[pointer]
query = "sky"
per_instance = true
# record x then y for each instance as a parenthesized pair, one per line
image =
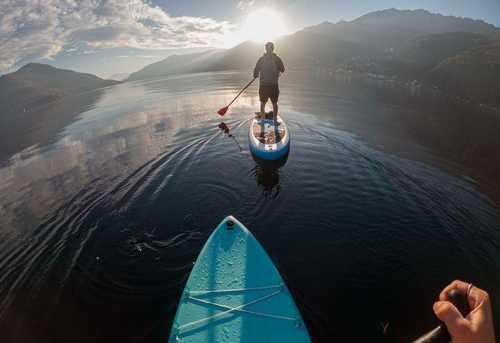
(106, 37)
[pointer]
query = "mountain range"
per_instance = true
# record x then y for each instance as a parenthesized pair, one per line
(459, 55)
(33, 106)
(38, 84)
(397, 44)
(407, 45)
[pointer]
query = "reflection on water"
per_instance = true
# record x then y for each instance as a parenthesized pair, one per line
(266, 172)
(225, 129)
(267, 175)
(99, 227)
(41, 126)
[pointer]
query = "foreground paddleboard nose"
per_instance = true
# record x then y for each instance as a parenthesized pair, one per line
(235, 294)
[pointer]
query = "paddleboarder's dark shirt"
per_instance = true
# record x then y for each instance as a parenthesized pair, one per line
(268, 69)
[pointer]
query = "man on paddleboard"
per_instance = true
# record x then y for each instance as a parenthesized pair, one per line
(268, 69)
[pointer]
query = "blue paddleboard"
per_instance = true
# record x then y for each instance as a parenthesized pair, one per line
(268, 141)
(235, 294)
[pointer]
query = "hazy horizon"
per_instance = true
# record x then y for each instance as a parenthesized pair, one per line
(116, 37)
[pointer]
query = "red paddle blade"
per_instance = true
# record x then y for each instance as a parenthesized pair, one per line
(222, 111)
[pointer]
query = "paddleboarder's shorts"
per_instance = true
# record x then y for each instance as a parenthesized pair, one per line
(269, 92)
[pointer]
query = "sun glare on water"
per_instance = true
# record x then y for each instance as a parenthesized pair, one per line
(261, 25)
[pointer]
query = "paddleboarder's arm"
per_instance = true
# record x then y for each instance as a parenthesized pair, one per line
(281, 66)
(477, 326)
(256, 70)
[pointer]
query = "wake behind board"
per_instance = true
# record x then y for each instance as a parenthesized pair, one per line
(268, 141)
(235, 294)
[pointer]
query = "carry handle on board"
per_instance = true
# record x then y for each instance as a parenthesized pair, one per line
(440, 334)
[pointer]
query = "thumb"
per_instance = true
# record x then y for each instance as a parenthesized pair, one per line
(450, 315)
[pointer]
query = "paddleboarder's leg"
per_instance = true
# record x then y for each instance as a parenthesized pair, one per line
(274, 99)
(275, 112)
(263, 96)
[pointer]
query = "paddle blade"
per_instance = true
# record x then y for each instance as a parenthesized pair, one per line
(222, 111)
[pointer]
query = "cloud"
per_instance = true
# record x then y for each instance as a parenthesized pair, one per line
(37, 29)
(245, 4)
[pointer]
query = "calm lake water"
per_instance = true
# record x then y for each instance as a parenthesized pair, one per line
(101, 221)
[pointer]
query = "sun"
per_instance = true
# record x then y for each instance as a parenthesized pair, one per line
(261, 25)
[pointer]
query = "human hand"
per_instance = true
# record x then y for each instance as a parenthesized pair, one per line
(477, 326)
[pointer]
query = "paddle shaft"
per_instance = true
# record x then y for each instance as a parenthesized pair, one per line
(440, 334)
(241, 91)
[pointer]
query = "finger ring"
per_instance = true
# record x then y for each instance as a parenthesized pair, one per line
(469, 289)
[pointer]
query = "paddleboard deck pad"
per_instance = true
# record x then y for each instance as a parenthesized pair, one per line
(235, 294)
(267, 140)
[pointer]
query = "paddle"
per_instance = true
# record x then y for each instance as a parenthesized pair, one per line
(440, 334)
(223, 110)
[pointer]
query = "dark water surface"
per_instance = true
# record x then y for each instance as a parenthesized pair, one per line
(99, 227)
